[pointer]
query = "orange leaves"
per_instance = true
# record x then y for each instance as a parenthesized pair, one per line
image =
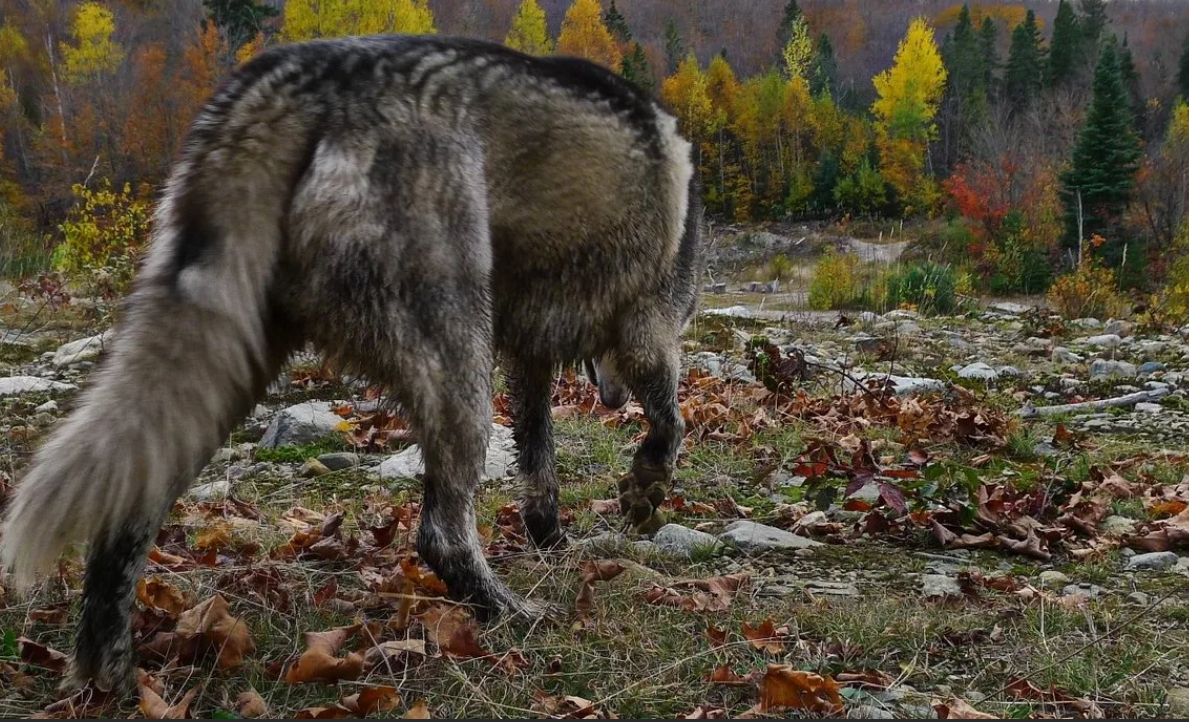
(207, 627)
(593, 572)
(957, 709)
(153, 705)
(765, 636)
(567, 707)
(713, 594)
(161, 596)
(319, 662)
(783, 687)
(41, 656)
(250, 704)
(369, 701)
(454, 630)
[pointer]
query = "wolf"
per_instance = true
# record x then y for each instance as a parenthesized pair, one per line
(418, 209)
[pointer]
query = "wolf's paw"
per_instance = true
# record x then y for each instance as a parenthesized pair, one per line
(642, 492)
(542, 526)
(115, 677)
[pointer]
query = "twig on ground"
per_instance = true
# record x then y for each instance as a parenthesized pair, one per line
(1029, 411)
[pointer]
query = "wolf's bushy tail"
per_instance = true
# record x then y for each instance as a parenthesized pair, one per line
(194, 350)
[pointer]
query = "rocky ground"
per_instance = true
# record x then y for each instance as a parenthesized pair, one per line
(893, 516)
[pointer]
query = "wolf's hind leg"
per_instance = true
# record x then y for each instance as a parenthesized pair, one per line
(653, 376)
(530, 384)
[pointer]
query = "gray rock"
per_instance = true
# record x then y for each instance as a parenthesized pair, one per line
(733, 312)
(603, 543)
(301, 424)
(223, 455)
(1152, 367)
(216, 490)
(1061, 355)
(902, 385)
(939, 586)
(313, 468)
(1008, 371)
(1138, 598)
(1119, 327)
(81, 350)
(13, 386)
(1148, 408)
(684, 541)
(901, 314)
(978, 370)
(339, 460)
(1087, 323)
(1084, 589)
(1009, 307)
(500, 459)
(832, 587)
(1117, 525)
(1109, 368)
(751, 536)
(907, 327)
(1053, 579)
(1106, 341)
(1153, 561)
(48, 408)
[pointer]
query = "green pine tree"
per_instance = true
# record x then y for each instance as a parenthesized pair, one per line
(1093, 21)
(791, 13)
(1181, 74)
(823, 67)
(1024, 69)
(1065, 45)
(635, 68)
(1107, 153)
(616, 24)
(674, 47)
(240, 20)
(1132, 82)
(988, 45)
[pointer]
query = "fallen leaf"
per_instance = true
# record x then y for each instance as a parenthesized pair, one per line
(418, 711)
(157, 594)
(706, 713)
(318, 661)
(593, 572)
(454, 630)
(395, 652)
(152, 705)
(214, 538)
(250, 704)
(718, 636)
(210, 622)
(957, 709)
(724, 675)
(605, 507)
(41, 656)
(372, 699)
(334, 712)
(566, 706)
(49, 616)
(784, 687)
(764, 636)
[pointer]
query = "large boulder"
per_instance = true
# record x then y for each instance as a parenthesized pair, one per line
(500, 459)
(81, 350)
(13, 386)
(302, 424)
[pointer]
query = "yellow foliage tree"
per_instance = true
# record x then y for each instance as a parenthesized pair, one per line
(528, 31)
(686, 93)
(909, 95)
(92, 52)
(585, 35)
(306, 19)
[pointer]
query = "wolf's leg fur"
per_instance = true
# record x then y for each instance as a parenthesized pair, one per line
(653, 376)
(530, 385)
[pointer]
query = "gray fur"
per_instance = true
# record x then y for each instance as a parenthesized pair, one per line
(416, 208)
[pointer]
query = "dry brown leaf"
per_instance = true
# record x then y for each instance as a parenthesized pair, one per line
(704, 712)
(718, 636)
(332, 712)
(157, 594)
(318, 661)
(48, 616)
(214, 538)
(724, 675)
(784, 687)
(418, 711)
(395, 652)
(593, 572)
(211, 622)
(372, 699)
(957, 709)
(765, 636)
(41, 656)
(152, 705)
(454, 630)
(250, 704)
(566, 706)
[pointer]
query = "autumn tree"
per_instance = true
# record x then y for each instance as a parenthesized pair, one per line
(240, 20)
(909, 95)
(674, 46)
(1065, 45)
(1106, 155)
(91, 51)
(823, 67)
(686, 93)
(584, 35)
(528, 31)
(798, 50)
(305, 19)
(1024, 69)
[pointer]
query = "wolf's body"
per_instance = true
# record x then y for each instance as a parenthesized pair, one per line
(413, 207)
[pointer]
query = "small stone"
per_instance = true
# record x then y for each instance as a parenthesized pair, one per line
(752, 536)
(81, 350)
(223, 455)
(313, 468)
(978, 370)
(336, 461)
(1152, 367)
(1087, 323)
(302, 424)
(1117, 525)
(939, 586)
(500, 458)
(1119, 327)
(683, 541)
(1008, 371)
(1148, 407)
(211, 491)
(1009, 307)
(1053, 579)
(1153, 561)
(603, 543)
(1138, 598)
(869, 492)
(13, 386)
(48, 408)
(1108, 368)
(1107, 341)
(1083, 589)
(1061, 355)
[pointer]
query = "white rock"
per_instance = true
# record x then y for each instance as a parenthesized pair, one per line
(1108, 368)
(1148, 407)
(12, 386)
(902, 385)
(500, 459)
(1153, 561)
(1107, 341)
(1087, 323)
(1061, 355)
(978, 370)
(211, 491)
(939, 586)
(48, 408)
(302, 424)
(752, 536)
(1009, 307)
(736, 312)
(683, 541)
(81, 350)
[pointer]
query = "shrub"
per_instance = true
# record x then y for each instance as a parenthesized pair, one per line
(1090, 290)
(863, 192)
(835, 283)
(929, 287)
(101, 237)
(22, 250)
